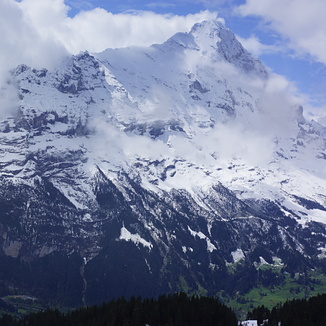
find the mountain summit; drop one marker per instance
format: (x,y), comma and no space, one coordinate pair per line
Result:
(214,38)
(141,171)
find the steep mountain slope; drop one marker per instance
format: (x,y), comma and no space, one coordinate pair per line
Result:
(139,171)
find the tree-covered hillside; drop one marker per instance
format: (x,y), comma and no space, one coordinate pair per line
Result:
(172,310)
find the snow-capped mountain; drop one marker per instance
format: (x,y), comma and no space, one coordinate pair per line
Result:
(139,171)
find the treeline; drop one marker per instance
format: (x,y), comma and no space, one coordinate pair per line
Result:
(302,312)
(177,309)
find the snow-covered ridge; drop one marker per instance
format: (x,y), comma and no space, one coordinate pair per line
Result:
(181,115)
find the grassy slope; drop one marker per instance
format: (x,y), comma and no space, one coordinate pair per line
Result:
(292,288)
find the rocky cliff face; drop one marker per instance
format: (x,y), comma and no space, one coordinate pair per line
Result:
(140,171)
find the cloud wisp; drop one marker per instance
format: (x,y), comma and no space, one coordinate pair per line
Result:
(300,22)
(256,47)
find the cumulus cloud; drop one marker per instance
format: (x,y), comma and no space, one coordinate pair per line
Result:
(22,41)
(98,29)
(40,32)
(300,22)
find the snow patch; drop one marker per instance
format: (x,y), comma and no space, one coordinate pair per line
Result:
(249,323)
(210,246)
(237,255)
(322,254)
(277,262)
(87,218)
(135,238)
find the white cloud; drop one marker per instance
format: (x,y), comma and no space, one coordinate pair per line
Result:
(21,41)
(9,98)
(98,29)
(254,46)
(40,32)
(317,113)
(234,141)
(301,22)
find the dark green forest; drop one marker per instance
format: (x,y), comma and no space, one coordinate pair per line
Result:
(176,310)
(171,310)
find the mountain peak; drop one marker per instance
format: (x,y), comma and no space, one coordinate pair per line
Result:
(213,39)
(213,36)
(208,29)
(202,36)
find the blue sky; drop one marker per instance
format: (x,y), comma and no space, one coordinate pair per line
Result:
(289,36)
